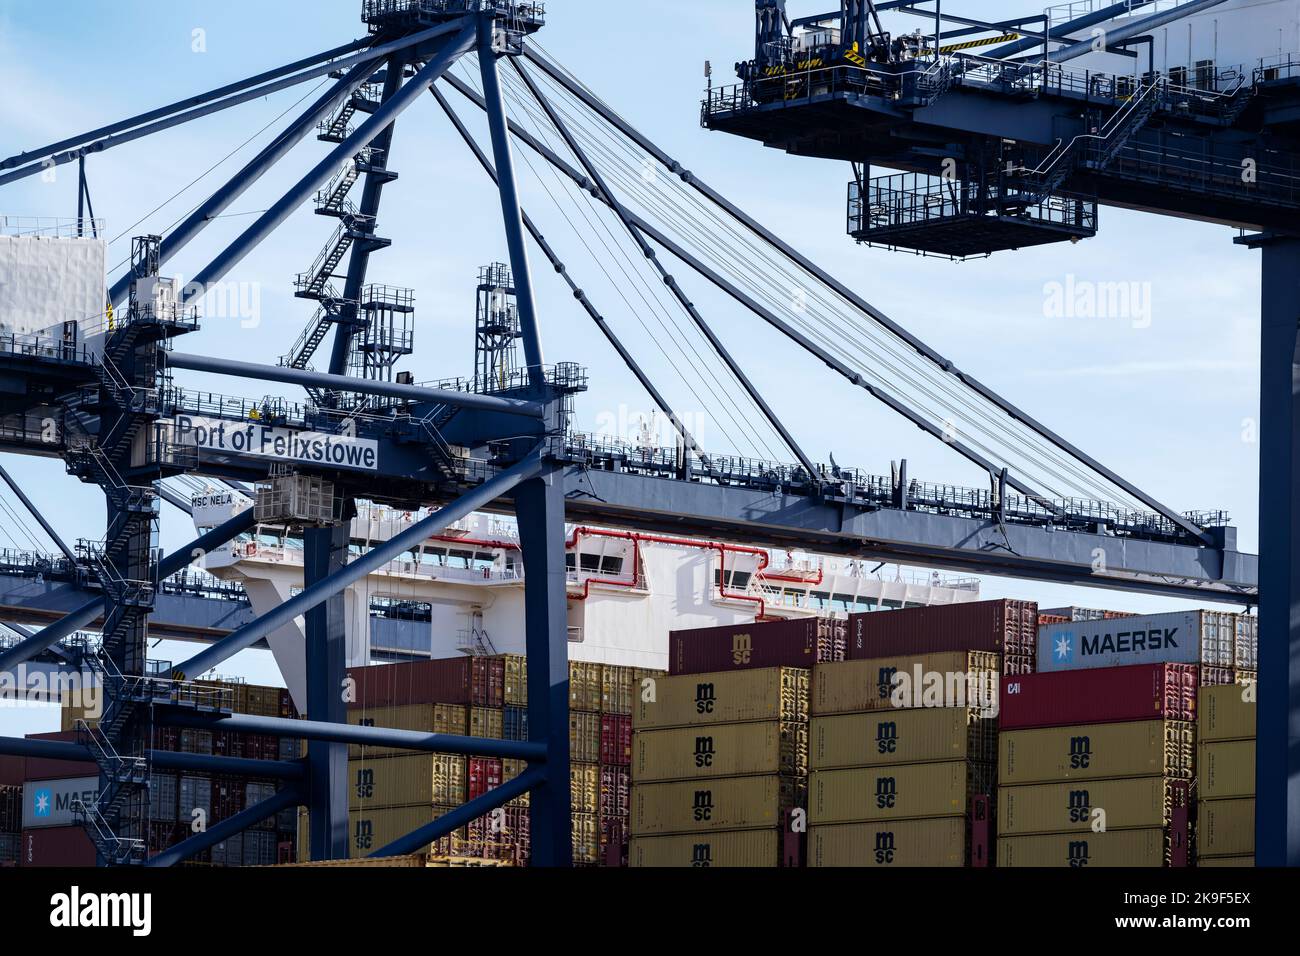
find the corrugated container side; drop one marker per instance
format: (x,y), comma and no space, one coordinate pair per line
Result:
(917,791)
(585,787)
(447,681)
(484,776)
(1226,769)
(38,768)
(13,771)
(423,779)
(723,750)
(11,809)
(902,737)
(738,803)
(1115,848)
(901,844)
(64,847)
(164,796)
(586,839)
(615,792)
(725,697)
(1099,696)
(1228,861)
(10,848)
(1226,713)
(584,737)
(996,627)
(586,682)
(451,719)
(793,643)
(509,770)
(616,690)
(1225,828)
(515,723)
(616,740)
(1097,752)
(1134,804)
(503,837)
(957,679)
(487,723)
(744,848)
(374,828)
(515,689)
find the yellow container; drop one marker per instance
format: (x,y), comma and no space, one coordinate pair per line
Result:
(1227,861)
(509,770)
(585,789)
(1115,848)
(487,723)
(902,845)
(1134,804)
(425,718)
(584,737)
(724,750)
(586,839)
(730,697)
(516,681)
(585,686)
(1225,828)
(1226,770)
(735,803)
(1224,714)
(915,791)
(902,737)
(372,829)
(616,690)
(1097,752)
(751,849)
(426,780)
(968,679)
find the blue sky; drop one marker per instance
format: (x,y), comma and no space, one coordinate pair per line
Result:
(1167,405)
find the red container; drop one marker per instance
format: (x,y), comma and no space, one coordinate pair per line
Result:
(615,793)
(489,682)
(13,771)
(39,768)
(484,775)
(467,682)
(1103,696)
(1009,628)
(738,647)
(56,847)
(500,836)
(982,848)
(616,741)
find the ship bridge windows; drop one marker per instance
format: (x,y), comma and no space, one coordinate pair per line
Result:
(736,580)
(608,564)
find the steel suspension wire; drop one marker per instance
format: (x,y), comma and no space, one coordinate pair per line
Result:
(1066,469)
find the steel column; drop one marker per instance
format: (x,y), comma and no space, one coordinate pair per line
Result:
(539,505)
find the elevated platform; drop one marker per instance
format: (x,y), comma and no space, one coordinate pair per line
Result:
(398,17)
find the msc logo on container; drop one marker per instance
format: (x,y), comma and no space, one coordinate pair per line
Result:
(887,737)
(885,682)
(886,793)
(702,855)
(705,698)
(704,752)
(364,836)
(1077,854)
(365,787)
(742,649)
(885,849)
(1080,806)
(1080,753)
(703,806)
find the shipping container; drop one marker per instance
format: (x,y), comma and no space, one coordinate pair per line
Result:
(902,737)
(1114,848)
(13,771)
(585,787)
(1226,713)
(1212,638)
(1225,828)
(1097,752)
(792,643)
(902,844)
(423,780)
(487,723)
(10,849)
(58,847)
(487,682)
(1226,769)
(502,837)
(195,799)
(586,686)
(1227,861)
(615,792)
(917,791)
(509,770)
(514,723)
(514,691)
(616,694)
(1102,696)
(737,803)
(484,776)
(745,848)
(164,797)
(374,828)
(616,740)
(448,681)
(450,719)
(11,809)
(39,768)
(724,750)
(584,737)
(1133,804)
(586,839)
(48,804)
(726,697)
(961,679)
(1009,628)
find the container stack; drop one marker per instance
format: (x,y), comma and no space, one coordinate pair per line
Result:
(1225,760)
(720,763)
(904,758)
(11,823)
(1096,766)
(1006,628)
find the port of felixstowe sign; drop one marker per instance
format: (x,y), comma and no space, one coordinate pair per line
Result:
(283,444)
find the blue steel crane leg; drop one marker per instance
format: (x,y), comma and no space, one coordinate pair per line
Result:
(86,615)
(508,187)
(159,759)
(370,562)
(364,136)
(1277,808)
(286,799)
(257,167)
(539,506)
(359,261)
(36,513)
(325,552)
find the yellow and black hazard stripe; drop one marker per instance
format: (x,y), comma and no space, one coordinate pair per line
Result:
(972,44)
(855,56)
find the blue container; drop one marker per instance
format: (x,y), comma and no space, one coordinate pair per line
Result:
(515,723)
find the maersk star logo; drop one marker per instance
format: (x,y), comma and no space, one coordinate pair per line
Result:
(41,803)
(1065,648)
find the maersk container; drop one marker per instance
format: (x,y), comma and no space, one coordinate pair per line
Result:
(1225,828)
(959,679)
(751,849)
(1226,769)
(901,844)
(725,697)
(425,779)
(902,737)
(793,643)
(1009,628)
(1097,752)
(1112,849)
(1102,696)
(1211,638)
(916,791)
(695,806)
(723,750)
(1226,713)
(1082,805)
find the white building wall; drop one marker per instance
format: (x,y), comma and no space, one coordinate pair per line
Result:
(46,281)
